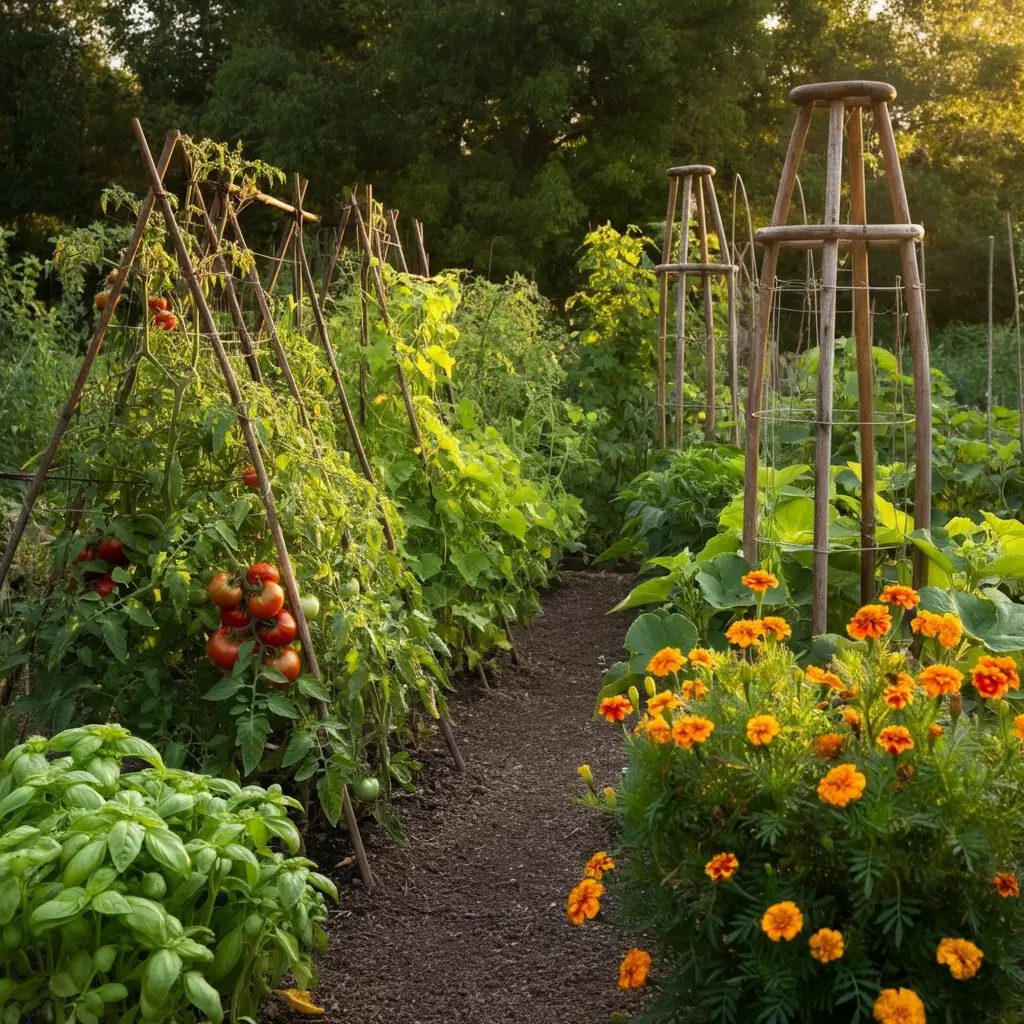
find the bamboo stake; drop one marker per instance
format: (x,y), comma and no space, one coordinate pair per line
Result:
(680,357)
(710,405)
(326,286)
(252,443)
(666,255)
(285,244)
(989,346)
(424,258)
(1016,325)
(98,334)
(727,256)
(364,303)
(393,226)
(865,364)
(297,287)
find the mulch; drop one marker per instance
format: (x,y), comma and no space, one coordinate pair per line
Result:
(467,922)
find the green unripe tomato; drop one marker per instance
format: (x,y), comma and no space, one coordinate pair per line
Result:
(310,605)
(154,886)
(366,789)
(206,575)
(197,595)
(350,588)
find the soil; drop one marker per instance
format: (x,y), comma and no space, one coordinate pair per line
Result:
(466,924)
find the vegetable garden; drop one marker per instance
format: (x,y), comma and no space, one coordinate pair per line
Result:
(295,506)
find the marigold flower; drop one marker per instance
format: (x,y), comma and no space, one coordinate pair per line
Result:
(701,657)
(584,901)
(842,785)
(1018,727)
(598,865)
(666,661)
(782,921)
(826,945)
(926,623)
(586,774)
(961,956)
(871,620)
(694,689)
(657,730)
(760,581)
(721,867)
(828,747)
(690,729)
(777,626)
(300,1000)
(950,631)
(664,701)
(851,716)
(904,679)
(745,633)
(939,680)
(992,677)
(823,678)
(898,697)
(1006,884)
(899,1006)
(895,739)
(900,597)
(762,729)
(633,969)
(615,709)
(935,730)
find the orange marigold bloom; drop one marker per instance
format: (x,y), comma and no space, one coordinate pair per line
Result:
(851,716)
(939,680)
(827,747)
(657,730)
(694,689)
(598,865)
(926,623)
(1006,884)
(690,729)
(895,739)
(898,697)
(721,867)
(842,785)
(1018,727)
(935,730)
(900,597)
(633,969)
(701,657)
(777,626)
(745,633)
(760,581)
(616,708)
(961,956)
(666,661)
(762,729)
(782,921)
(950,631)
(872,620)
(899,1006)
(826,945)
(823,678)
(584,901)
(992,677)
(664,701)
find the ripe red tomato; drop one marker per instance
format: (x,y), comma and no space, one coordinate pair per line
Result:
(157,303)
(165,320)
(282,632)
(102,298)
(235,618)
(262,571)
(250,477)
(288,663)
(87,554)
(111,550)
(225,590)
(266,603)
(104,586)
(221,649)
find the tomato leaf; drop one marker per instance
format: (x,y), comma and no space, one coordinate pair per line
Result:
(252,737)
(115,637)
(280,705)
(227,687)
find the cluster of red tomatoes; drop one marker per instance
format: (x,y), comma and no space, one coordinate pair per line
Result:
(162,316)
(109,550)
(253,605)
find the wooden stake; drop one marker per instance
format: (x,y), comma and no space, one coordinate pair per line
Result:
(285,245)
(424,258)
(326,286)
(397,240)
(1016,325)
(297,288)
(98,334)
(710,404)
(727,256)
(680,357)
(666,255)
(989,346)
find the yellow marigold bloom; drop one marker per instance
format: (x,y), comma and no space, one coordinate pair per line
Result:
(776,626)
(721,867)
(690,729)
(762,729)
(1006,884)
(694,689)
(664,701)
(900,597)
(701,657)
(992,677)
(899,1006)
(380,400)
(851,716)
(300,1000)
(615,709)
(760,581)
(961,956)
(782,921)
(828,747)
(898,697)
(633,969)
(586,774)
(1018,727)
(657,730)
(598,865)
(666,661)
(826,945)
(939,680)
(609,795)
(872,620)
(823,678)
(842,785)
(584,901)
(895,739)
(745,633)
(950,631)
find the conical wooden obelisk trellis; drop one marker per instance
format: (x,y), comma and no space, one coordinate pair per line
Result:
(698,190)
(845,102)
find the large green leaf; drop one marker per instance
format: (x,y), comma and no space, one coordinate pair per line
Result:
(651,632)
(653,591)
(720,584)
(993,618)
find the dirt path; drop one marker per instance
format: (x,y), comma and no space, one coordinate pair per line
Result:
(467,924)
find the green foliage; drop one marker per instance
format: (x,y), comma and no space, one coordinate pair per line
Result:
(153,890)
(959,351)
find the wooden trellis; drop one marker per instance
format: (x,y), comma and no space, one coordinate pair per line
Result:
(703,197)
(845,102)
